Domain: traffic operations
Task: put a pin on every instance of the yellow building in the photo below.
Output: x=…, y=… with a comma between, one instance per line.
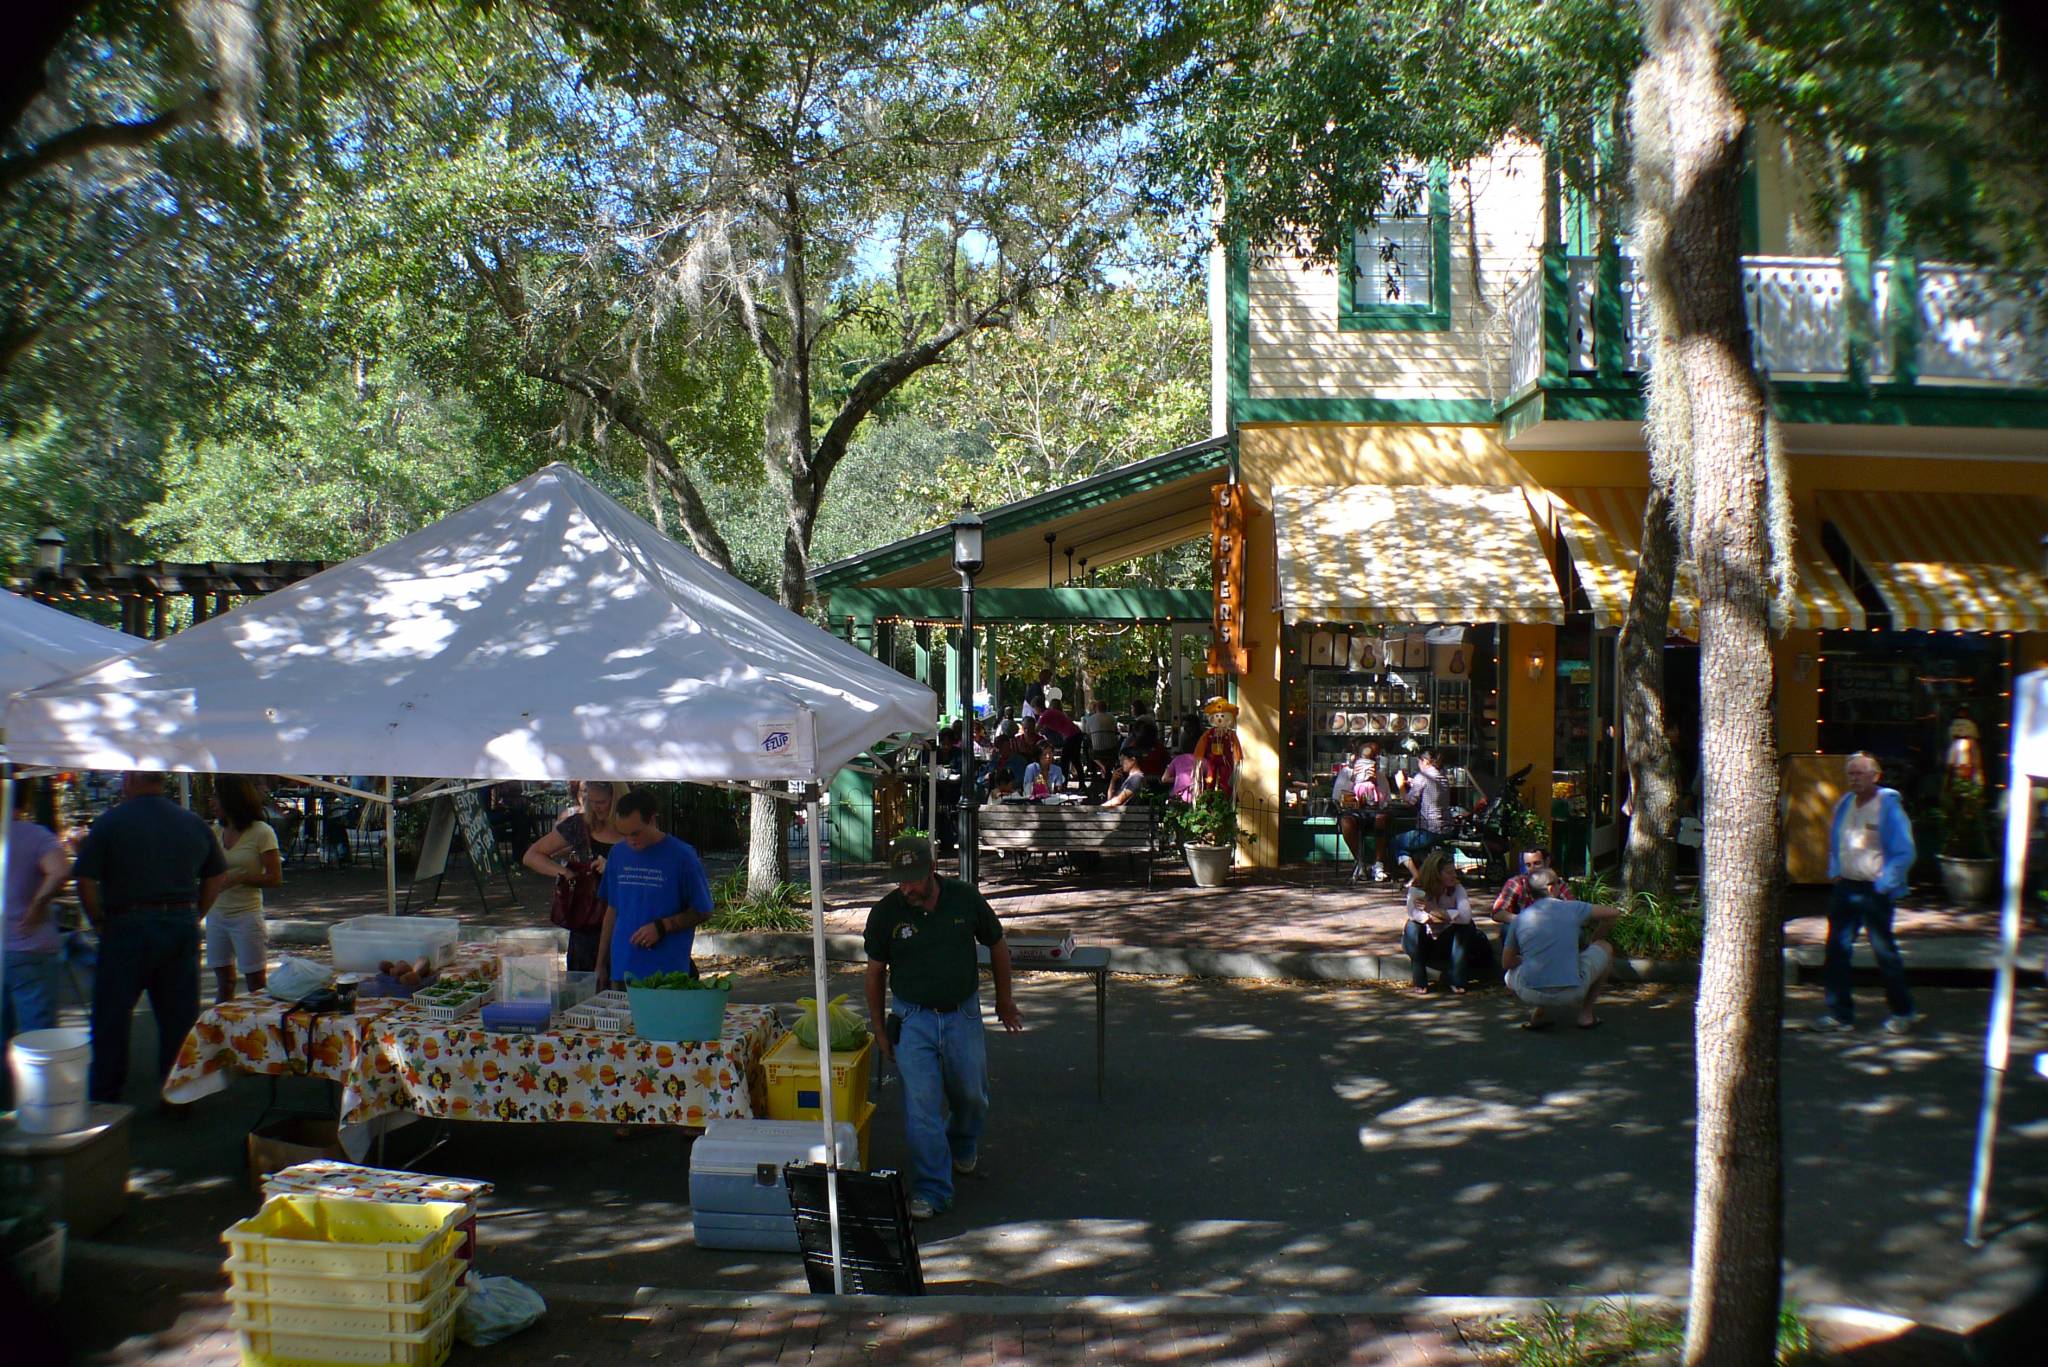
x=1441, y=440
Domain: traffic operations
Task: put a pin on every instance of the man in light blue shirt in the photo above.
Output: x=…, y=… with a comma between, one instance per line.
x=1870, y=852
x=1545, y=966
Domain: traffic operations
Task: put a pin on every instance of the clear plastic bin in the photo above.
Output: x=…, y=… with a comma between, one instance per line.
x=360, y=944
x=529, y=978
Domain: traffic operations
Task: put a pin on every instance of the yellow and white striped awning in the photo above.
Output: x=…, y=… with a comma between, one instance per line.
x=1397, y=553
x=1603, y=529
x=1949, y=562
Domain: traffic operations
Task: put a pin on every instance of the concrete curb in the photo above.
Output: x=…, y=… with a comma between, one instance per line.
x=1029, y=1306
x=1978, y=958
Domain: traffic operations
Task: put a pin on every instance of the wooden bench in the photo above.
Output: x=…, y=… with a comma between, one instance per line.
x=1025, y=828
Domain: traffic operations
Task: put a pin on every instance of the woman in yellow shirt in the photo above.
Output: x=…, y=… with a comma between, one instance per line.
x=234, y=926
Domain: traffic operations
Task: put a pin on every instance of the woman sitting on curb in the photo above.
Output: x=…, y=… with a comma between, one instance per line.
x=1440, y=929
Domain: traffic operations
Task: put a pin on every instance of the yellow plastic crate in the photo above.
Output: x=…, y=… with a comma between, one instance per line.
x=267, y=1346
x=352, y=1289
x=328, y=1236
x=290, y=1314
x=793, y=1080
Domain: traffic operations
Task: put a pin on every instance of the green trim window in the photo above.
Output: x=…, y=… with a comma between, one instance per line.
x=1395, y=275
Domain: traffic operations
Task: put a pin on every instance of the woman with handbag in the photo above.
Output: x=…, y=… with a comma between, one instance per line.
x=573, y=854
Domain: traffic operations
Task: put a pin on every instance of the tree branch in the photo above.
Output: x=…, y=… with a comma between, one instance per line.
x=94, y=137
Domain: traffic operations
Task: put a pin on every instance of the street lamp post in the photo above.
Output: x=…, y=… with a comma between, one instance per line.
x=49, y=556
x=967, y=530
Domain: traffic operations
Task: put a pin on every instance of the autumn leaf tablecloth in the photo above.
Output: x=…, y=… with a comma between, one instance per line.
x=466, y=1072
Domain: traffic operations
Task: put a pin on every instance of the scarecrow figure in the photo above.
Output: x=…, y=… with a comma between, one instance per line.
x=1218, y=752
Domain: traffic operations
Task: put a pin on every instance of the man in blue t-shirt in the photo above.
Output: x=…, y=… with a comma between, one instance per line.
x=655, y=896
x=1545, y=966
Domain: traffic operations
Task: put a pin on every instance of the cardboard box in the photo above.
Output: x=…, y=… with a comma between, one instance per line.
x=80, y=1178
x=290, y=1139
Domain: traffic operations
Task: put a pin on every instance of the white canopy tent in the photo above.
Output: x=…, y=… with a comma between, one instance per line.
x=543, y=633
x=2029, y=767
x=39, y=643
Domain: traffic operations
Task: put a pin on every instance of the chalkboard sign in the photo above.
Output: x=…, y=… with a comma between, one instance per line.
x=1870, y=691
x=476, y=832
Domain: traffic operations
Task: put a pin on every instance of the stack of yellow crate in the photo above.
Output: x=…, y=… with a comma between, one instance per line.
x=793, y=1092
x=319, y=1279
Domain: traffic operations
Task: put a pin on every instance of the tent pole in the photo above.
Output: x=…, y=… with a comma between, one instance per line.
x=931, y=811
x=2019, y=809
x=811, y=819
x=390, y=846
x=6, y=831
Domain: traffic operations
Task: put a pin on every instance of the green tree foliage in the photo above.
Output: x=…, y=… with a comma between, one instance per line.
x=346, y=466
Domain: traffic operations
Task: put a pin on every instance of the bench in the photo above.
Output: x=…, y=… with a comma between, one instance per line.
x=1056, y=828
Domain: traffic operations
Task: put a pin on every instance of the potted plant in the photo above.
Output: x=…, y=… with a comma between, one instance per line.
x=1969, y=864
x=1207, y=829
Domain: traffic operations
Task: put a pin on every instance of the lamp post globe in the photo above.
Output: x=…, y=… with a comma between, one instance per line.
x=49, y=558
x=967, y=560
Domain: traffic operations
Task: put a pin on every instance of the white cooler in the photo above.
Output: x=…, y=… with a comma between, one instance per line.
x=737, y=1198
x=362, y=942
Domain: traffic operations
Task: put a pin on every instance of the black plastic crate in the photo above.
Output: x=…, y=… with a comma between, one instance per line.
x=877, y=1240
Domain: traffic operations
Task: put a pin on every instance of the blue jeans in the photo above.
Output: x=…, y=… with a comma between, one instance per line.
x=153, y=952
x=31, y=1000
x=1464, y=948
x=943, y=1058
x=1860, y=906
x=1413, y=844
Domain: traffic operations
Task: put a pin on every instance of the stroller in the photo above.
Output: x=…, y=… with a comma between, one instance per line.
x=1495, y=820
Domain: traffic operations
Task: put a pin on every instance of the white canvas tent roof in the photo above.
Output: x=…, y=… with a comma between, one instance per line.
x=39, y=643
x=542, y=633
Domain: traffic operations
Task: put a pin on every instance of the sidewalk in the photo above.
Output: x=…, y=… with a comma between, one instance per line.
x=1301, y=923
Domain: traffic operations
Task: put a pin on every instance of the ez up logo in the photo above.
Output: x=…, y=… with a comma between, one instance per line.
x=778, y=739
x=774, y=741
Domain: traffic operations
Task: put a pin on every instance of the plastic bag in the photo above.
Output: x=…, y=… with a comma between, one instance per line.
x=297, y=979
x=496, y=1308
x=849, y=1031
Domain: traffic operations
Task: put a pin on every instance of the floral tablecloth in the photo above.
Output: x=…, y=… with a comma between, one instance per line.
x=256, y=1034
x=464, y=1072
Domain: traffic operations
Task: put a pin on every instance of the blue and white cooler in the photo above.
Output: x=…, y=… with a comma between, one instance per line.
x=736, y=1194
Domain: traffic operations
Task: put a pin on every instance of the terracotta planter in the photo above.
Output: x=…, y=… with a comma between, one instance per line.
x=1210, y=864
x=1970, y=882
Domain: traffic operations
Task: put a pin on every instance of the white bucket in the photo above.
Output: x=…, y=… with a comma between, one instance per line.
x=49, y=1080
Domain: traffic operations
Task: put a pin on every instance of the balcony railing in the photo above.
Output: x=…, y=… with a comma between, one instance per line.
x=1969, y=327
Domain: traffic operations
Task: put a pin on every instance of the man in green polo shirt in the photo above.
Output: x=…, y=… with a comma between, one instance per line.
x=920, y=943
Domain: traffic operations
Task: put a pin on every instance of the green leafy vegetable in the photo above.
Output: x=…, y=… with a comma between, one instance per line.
x=682, y=982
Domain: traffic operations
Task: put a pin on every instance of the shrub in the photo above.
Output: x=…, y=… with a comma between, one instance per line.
x=1211, y=819
x=786, y=907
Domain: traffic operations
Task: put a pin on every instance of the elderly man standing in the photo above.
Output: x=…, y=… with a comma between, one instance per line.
x=920, y=945
x=147, y=871
x=1869, y=855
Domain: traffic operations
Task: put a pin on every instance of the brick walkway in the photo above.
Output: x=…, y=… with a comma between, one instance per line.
x=184, y=1321
x=1316, y=909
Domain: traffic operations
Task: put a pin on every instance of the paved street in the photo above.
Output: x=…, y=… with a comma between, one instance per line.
x=1272, y=1139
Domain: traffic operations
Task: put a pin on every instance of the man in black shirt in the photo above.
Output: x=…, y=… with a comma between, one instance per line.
x=147, y=872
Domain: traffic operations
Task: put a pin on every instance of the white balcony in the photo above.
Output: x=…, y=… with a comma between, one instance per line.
x=1971, y=330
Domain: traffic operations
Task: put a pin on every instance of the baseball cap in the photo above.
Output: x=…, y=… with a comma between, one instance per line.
x=910, y=858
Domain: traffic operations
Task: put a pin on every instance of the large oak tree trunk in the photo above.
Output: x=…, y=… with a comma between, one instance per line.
x=1647, y=864
x=1708, y=399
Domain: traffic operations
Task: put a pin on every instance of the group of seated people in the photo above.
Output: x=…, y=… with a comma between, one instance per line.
x=1538, y=950
x=1045, y=752
x=1365, y=792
